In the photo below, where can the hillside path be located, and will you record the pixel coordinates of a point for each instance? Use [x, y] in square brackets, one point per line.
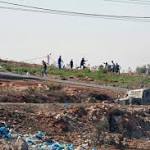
[13, 76]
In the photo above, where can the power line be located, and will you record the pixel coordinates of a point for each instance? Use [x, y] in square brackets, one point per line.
[71, 13]
[137, 2]
[144, 2]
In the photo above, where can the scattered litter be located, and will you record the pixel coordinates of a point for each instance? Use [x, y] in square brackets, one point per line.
[34, 142]
[4, 131]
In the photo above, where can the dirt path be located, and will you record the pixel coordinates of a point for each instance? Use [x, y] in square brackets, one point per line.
[90, 85]
[12, 76]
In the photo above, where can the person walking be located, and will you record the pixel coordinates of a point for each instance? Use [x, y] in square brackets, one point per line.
[82, 63]
[44, 69]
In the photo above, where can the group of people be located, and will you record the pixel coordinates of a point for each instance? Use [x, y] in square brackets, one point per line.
[61, 66]
[71, 63]
[114, 67]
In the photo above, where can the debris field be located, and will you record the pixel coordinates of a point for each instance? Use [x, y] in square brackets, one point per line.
[82, 118]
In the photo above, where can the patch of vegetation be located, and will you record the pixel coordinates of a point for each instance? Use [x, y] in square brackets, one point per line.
[122, 80]
[20, 69]
[101, 76]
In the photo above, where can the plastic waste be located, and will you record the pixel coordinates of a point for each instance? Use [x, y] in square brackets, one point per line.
[40, 135]
[5, 133]
[36, 141]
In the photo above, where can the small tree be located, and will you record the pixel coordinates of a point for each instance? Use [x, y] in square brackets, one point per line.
[141, 69]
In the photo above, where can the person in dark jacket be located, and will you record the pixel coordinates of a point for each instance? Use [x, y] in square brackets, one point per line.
[117, 68]
[44, 70]
[60, 62]
[113, 68]
[82, 63]
[71, 64]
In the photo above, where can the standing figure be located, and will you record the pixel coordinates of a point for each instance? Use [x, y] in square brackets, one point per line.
[48, 59]
[106, 66]
[71, 64]
[44, 69]
[60, 62]
[117, 68]
[113, 68]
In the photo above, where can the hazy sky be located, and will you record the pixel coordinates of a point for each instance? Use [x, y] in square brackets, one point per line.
[25, 35]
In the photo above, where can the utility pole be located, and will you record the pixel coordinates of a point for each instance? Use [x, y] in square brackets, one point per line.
[48, 58]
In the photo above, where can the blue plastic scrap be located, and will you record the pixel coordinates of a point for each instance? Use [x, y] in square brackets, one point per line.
[40, 135]
[57, 146]
[5, 133]
[37, 141]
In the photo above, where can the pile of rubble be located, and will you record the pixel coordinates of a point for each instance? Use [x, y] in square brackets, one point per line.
[84, 126]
